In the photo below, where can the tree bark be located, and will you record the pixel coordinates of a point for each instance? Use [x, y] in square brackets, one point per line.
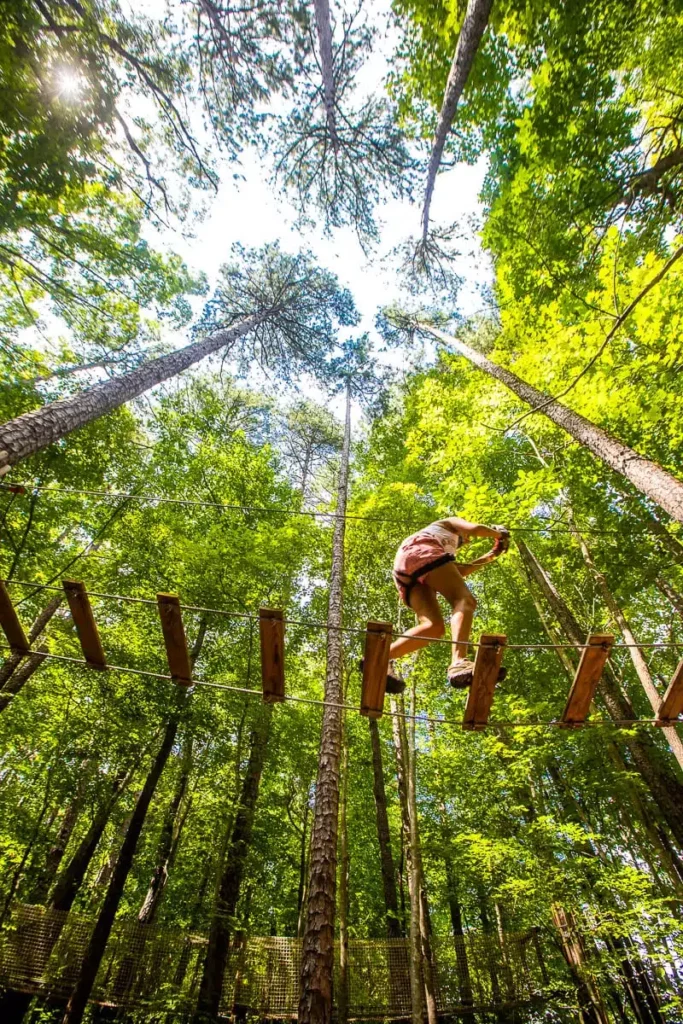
[635, 653]
[344, 869]
[35, 430]
[475, 22]
[232, 874]
[670, 594]
[591, 1006]
[665, 789]
[21, 675]
[14, 659]
[648, 477]
[323, 24]
[412, 870]
[317, 960]
[78, 1000]
[393, 924]
[55, 854]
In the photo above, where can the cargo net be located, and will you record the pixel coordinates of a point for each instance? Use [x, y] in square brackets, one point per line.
[147, 966]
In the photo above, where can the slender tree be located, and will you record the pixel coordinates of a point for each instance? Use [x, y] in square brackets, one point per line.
[317, 960]
[285, 305]
[471, 32]
[649, 477]
[232, 872]
[665, 788]
[386, 860]
[14, 658]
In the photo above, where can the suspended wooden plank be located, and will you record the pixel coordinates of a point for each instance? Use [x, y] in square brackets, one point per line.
[174, 638]
[588, 674]
[84, 621]
[486, 667]
[375, 667]
[272, 633]
[9, 620]
[672, 701]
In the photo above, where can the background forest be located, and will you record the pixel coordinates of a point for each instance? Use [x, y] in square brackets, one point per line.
[280, 283]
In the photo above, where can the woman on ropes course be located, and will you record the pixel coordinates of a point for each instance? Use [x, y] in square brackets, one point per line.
[424, 567]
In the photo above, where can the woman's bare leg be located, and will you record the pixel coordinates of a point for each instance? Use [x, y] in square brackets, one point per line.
[430, 624]
[448, 582]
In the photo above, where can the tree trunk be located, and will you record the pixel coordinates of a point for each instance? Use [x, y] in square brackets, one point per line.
[14, 659]
[473, 26]
[393, 924]
[648, 477]
[303, 871]
[635, 653]
[344, 868]
[591, 1007]
[20, 676]
[323, 24]
[98, 940]
[672, 595]
[35, 430]
[55, 854]
[412, 870]
[317, 960]
[666, 790]
[171, 827]
[223, 920]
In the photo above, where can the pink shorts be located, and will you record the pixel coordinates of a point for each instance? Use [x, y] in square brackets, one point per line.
[415, 558]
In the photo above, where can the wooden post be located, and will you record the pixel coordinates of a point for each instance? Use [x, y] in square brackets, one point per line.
[593, 659]
[9, 620]
[486, 668]
[272, 634]
[672, 701]
[375, 668]
[174, 639]
[84, 621]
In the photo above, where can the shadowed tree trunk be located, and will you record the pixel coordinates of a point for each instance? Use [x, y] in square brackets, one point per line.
[635, 653]
[648, 477]
[232, 873]
[591, 1006]
[386, 859]
[35, 430]
[344, 869]
[672, 595]
[666, 790]
[412, 866]
[317, 959]
[78, 1000]
[21, 675]
[56, 852]
[473, 26]
[14, 658]
[323, 25]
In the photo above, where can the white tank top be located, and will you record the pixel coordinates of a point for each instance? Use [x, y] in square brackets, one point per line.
[448, 540]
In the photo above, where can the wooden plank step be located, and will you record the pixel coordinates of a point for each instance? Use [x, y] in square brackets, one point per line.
[272, 634]
[84, 621]
[9, 620]
[672, 701]
[378, 638]
[593, 659]
[174, 638]
[486, 666]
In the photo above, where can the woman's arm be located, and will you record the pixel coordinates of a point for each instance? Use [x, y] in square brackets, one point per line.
[467, 568]
[473, 529]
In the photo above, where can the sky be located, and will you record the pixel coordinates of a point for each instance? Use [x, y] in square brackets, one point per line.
[247, 210]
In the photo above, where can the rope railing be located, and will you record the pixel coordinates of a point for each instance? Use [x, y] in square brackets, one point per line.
[625, 723]
[318, 624]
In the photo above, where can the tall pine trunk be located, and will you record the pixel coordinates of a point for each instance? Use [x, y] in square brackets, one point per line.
[344, 872]
[33, 431]
[14, 658]
[20, 676]
[323, 25]
[98, 940]
[386, 860]
[670, 594]
[317, 959]
[665, 789]
[232, 873]
[412, 868]
[591, 1006]
[473, 26]
[649, 477]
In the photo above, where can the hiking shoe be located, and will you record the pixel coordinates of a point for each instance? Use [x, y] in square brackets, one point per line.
[460, 675]
[394, 682]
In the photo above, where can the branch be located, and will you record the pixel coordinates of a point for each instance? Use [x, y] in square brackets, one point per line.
[608, 337]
